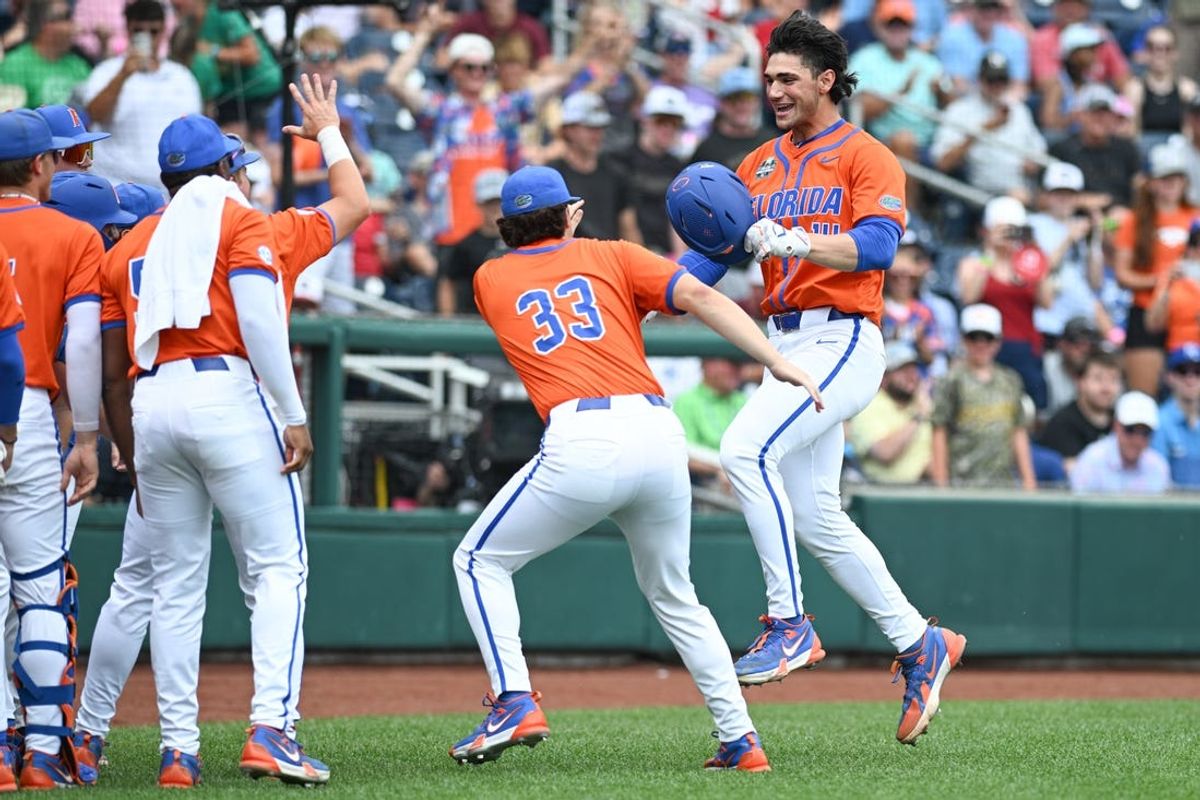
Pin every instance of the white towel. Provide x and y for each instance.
(179, 262)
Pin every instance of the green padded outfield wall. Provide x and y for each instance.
(1020, 575)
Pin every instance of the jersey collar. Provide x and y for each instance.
(542, 246)
(827, 132)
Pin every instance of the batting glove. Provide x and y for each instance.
(767, 238)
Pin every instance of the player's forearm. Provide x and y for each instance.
(892, 446)
(350, 205)
(725, 317)
(102, 106)
(265, 336)
(83, 366)
(838, 251)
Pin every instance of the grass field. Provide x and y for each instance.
(975, 749)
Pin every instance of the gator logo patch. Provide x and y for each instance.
(891, 202)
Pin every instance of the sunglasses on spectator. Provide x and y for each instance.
(80, 155)
(153, 30)
(1186, 370)
(979, 336)
(1140, 431)
(1160, 47)
(897, 23)
(321, 56)
(479, 69)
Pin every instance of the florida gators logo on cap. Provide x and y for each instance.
(523, 201)
(176, 159)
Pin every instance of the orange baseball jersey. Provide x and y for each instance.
(55, 262)
(826, 185)
(11, 317)
(568, 315)
(302, 235)
(247, 245)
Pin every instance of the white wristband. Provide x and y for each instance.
(333, 145)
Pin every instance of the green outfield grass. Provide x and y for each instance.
(996, 750)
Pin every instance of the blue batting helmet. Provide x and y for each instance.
(710, 208)
(91, 199)
(139, 199)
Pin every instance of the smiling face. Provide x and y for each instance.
(794, 92)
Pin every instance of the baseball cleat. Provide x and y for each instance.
(745, 754)
(925, 666)
(9, 760)
(46, 771)
(515, 718)
(89, 756)
(179, 770)
(270, 753)
(785, 645)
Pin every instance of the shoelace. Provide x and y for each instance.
(913, 676)
(765, 637)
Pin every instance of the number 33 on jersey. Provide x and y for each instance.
(569, 313)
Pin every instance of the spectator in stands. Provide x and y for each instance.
(1079, 46)
(514, 74)
(986, 27)
(44, 70)
(134, 97)
(676, 52)
(930, 19)
(234, 67)
(410, 267)
(1189, 143)
(894, 65)
(592, 173)
(366, 58)
(705, 411)
(1160, 94)
(979, 429)
(457, 263)
(1047, 52)
(892, 437)
(1064, 364)
(905, 317)
(1088, 417)
(652, 167)
(990, 108)
(1123, 462)
(1174, 310)
(1071, 234)
(99, 29)
(1109, 162)
(1000, 276)
(738, 127)
(1177, 437)
(1149, 244)
(498, 19)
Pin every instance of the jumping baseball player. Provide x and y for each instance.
(54, 261)
(302, 235)
(831, 199)
(567, 313)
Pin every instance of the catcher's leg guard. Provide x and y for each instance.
(44, 670)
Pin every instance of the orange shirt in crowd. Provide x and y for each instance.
(1168, 247)
(1183, 313)
(485, 150)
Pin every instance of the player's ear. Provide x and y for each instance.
(826, 80)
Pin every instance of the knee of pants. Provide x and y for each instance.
(739, 457)
(817, 527)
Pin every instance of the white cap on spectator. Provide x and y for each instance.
(1079, 36)
(1096, 97)
(1167, 159)
(1004, 210)
(470, 45)
(1137, 408)
(489, 183)
(1062, 175)
(900, 354)
(422, 161)
(665, 101)
(585, 108)
(981, 318)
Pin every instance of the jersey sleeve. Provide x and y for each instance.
(252, 245)
(302, 235)
(11, 316)
(652, 277)
(876, 185)
(83, 275)
(112, 312)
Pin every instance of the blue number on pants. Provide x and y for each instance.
(544, 318)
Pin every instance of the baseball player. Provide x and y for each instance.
(567, 313)
(66, 123)
(302, 235)
(12, 381)
(831, 199)
(54, 261)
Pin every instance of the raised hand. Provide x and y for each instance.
(317, 107)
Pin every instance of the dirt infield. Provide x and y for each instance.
(352, 690)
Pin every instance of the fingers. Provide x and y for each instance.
(84, 484)
(293, 130)
(332, 94)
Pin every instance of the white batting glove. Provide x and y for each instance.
(767, 238)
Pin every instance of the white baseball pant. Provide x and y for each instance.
(626, 460)
(204, 436)
(35, 538)
(785, 461)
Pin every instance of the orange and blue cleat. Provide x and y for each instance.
(89, 754)
(745, 754)
(925, 666)
(46, 771)
(179, 770)
(9, 763)
(783, 646)
(515, 718)
(271, 753)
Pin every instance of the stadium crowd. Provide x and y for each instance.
(1043, 310)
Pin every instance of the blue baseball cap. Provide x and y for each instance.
(24, 133)
(88, 198)
(741, 80)
(241, 159)
(193, 142)
(533, 188)
(68, 123)
(139, 199)
(1184, 354)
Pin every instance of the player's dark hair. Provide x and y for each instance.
(145, 11)
(523, 229)
(17, 172)
(174, 181)
(818, 47)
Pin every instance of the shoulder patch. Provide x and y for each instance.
(765, 168)
(891, 202)
(264, 253)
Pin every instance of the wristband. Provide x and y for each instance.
(333, 145)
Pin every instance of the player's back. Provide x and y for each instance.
(827, 185)
(55, 263)
(568, 316)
